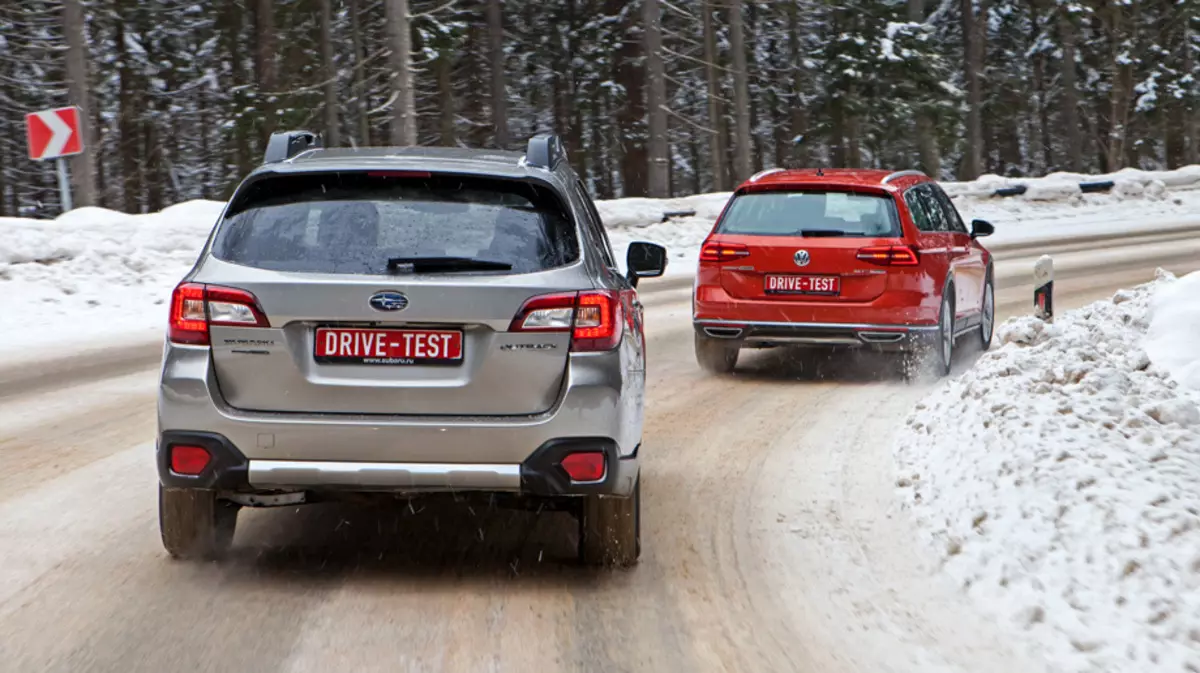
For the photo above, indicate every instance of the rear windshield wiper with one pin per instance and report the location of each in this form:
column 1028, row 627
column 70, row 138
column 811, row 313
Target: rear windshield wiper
column 433, row 264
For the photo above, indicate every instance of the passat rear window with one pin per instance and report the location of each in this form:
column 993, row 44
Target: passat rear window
column 353, row 223
column 814, row 213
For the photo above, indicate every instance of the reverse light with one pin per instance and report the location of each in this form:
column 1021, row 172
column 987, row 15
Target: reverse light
column 189, row 460
column 594, row 318
column 889, row 255
column 716, row 251
column 195, row 307
column 585, row 466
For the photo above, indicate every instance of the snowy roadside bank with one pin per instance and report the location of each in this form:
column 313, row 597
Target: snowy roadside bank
column 1059, row 481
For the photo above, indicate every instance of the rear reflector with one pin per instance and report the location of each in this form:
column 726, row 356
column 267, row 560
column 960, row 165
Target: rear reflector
column 715, row 251
column 583, row 467
column 189, row 460
column 889, row 255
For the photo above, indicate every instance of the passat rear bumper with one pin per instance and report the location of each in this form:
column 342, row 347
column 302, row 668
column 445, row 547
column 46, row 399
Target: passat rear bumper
column 884, row 337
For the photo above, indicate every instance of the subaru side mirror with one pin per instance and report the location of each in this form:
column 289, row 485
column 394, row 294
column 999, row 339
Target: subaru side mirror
column 645, row 260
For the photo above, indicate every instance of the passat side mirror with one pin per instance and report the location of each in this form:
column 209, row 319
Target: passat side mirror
column 980, row 228
column 645, row 260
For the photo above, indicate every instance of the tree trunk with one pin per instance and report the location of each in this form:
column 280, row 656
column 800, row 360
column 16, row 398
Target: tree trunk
column 329, row 74
column 268, row 73
column 1121, row 92
column 444, row 68
column 499, row 100
column 742, row 167
column 716, row 110
column 83, row 166
column 799, row 117
column 1191, row 125
column 129, row 147
column 358, row 80
column 928, row 153
column 631, row 76
column 659, row 182
column 404, row 118
column 1070, row 95
column 972, row 165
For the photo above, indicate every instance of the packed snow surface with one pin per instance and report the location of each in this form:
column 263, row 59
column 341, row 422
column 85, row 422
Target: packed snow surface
column 1058, row 482
column 1173, row 339
column 96, row 273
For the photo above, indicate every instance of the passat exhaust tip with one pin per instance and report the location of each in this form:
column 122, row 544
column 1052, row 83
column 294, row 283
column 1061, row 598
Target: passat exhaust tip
column 881, row 337
column 723, row 332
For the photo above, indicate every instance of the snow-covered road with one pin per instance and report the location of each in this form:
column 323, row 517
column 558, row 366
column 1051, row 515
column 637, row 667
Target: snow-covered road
column 774, row 540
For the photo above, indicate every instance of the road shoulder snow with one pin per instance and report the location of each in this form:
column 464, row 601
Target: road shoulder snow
column 1057, row 481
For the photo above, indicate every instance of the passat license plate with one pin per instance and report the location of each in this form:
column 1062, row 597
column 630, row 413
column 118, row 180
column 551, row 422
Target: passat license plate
column 388, row 346
column 827, row 285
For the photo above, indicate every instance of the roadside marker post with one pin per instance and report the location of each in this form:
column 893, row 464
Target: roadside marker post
column 1043, row 287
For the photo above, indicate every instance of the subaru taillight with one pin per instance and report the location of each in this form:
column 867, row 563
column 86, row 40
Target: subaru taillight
column 195, row 307
column 717, row 251
column 889, row 255
column 594, row 318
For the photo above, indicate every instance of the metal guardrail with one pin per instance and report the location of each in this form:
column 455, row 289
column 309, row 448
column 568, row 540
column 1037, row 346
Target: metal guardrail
column 1100, row 186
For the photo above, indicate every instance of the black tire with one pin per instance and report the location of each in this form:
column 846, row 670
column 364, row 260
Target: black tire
column 987, row 314
column 716, row 356
column 610, row 529
column 943, row 350
column 194, row 524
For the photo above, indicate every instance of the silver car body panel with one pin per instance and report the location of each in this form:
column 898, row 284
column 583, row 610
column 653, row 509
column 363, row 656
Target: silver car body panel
column 424, row 427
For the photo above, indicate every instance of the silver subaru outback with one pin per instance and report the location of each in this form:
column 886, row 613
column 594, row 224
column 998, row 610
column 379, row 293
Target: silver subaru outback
column 405, row 321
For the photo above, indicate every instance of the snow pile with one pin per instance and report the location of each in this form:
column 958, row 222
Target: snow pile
column 106, row 270
column 1173, row 339
column 1059, row 480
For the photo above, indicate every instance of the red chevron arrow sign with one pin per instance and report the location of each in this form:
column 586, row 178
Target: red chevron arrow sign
column 53, row 133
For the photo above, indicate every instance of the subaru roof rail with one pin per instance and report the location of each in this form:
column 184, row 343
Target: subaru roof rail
column 545, row 150
column 902, row 174
column 284, row 145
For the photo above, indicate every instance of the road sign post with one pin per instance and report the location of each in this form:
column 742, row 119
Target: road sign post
column 54, row 134
column 64, row 184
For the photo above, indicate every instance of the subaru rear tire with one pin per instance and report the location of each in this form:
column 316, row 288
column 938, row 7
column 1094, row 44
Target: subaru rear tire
column 610, row 529
column 194, row 524
column 717, row 356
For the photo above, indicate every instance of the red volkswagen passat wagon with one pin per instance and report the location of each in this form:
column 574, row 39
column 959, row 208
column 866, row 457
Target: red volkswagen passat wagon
column 841, row 258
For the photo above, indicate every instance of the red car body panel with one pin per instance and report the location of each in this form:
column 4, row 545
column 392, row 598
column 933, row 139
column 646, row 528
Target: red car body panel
column 872, row 297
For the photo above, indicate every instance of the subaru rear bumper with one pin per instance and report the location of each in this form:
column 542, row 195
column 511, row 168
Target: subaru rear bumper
column 598, row 410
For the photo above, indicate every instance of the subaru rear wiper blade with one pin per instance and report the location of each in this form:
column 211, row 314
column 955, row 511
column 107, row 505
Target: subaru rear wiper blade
column 433, row 264
column 815, row 233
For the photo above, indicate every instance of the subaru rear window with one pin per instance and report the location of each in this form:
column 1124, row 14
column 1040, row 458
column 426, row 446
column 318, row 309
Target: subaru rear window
column 811, row 213
column 354, row 223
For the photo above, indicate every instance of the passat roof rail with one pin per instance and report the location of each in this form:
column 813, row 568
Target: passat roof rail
column 902, row 174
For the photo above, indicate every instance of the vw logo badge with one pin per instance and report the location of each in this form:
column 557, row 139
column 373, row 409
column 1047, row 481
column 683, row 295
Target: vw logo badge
column 388, row 301
column 801, row 258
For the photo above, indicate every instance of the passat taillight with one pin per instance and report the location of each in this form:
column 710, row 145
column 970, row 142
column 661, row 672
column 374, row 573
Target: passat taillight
column 195, row 307
column 889, row 255
column 717, row 251
column 594, row 318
